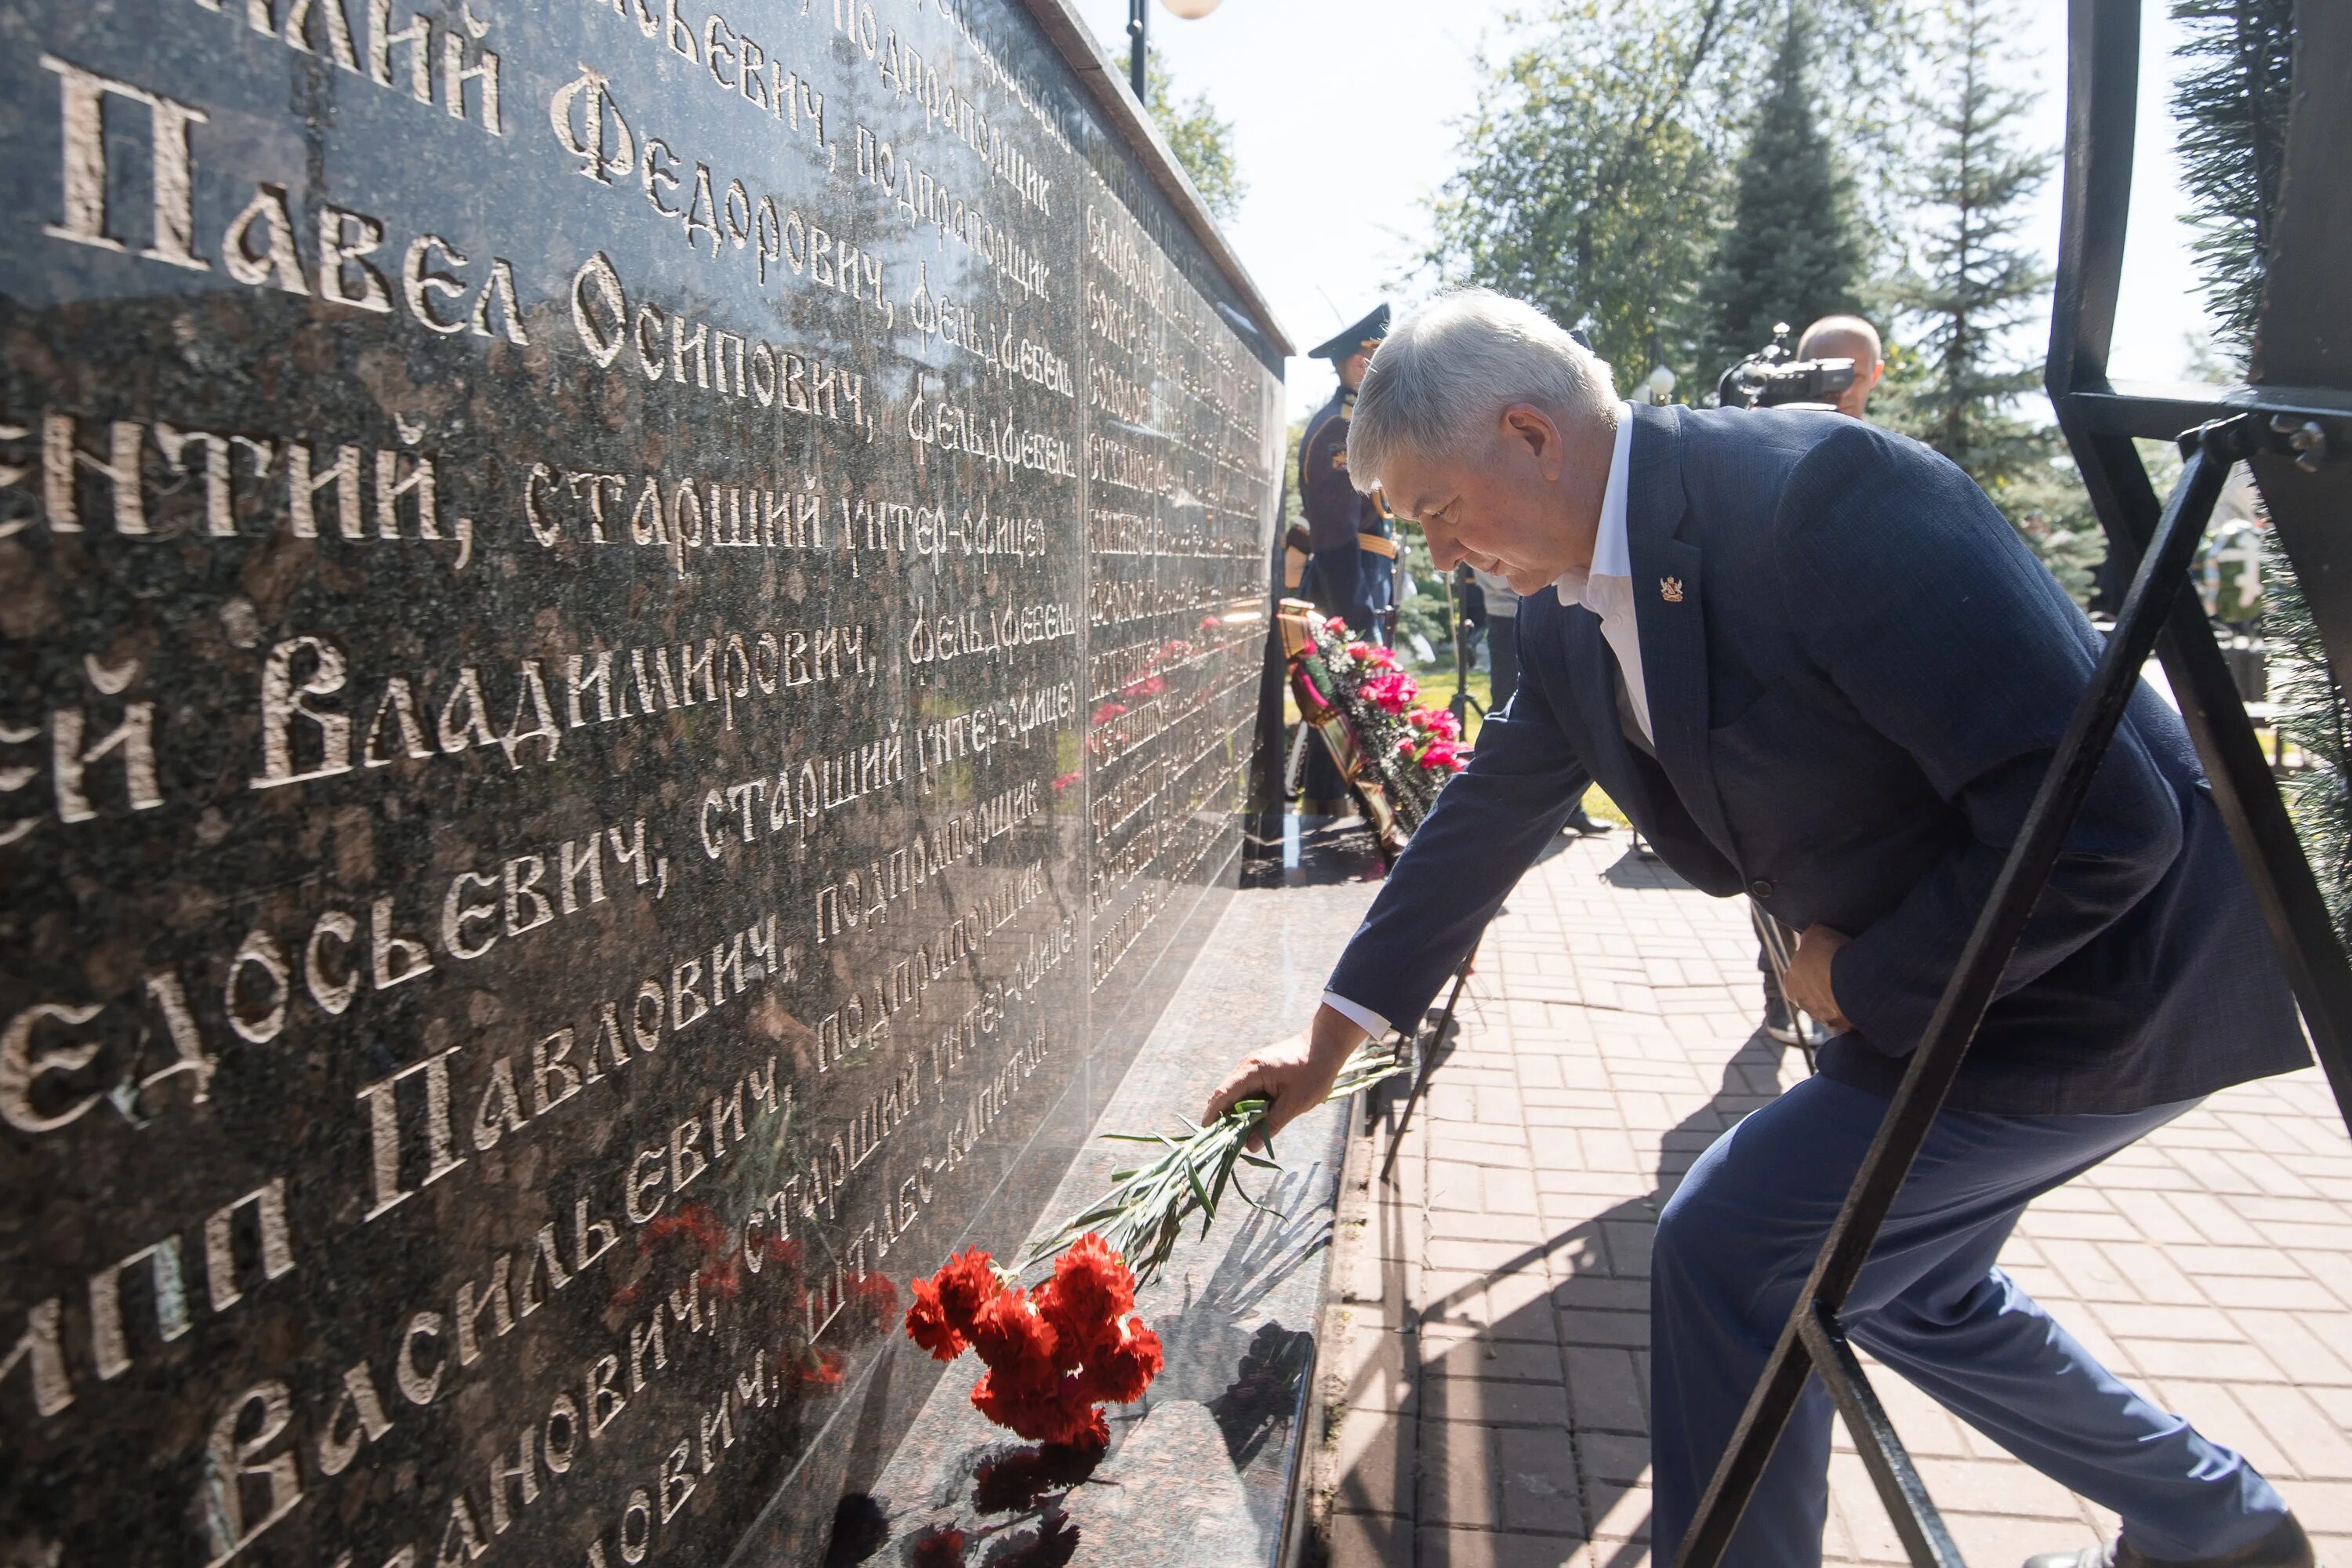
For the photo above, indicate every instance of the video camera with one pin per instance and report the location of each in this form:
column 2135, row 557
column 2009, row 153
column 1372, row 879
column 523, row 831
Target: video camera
column 1770, row 379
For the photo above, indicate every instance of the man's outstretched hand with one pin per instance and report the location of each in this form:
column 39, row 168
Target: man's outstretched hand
column 1294, row 1075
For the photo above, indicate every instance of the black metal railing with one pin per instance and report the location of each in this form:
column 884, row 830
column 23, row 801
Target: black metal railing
column 2288, row 429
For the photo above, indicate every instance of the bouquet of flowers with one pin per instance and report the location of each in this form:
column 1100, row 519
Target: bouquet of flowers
column 1143, row 1215
column 1054, row 1355
column 1395, row 756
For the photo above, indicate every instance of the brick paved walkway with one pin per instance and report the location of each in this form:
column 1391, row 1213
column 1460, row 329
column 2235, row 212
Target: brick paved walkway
column 1489, row 1379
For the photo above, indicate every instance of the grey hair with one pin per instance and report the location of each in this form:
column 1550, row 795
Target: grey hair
column 1447, row 372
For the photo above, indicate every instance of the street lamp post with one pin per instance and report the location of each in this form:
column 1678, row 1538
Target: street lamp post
column 1138, row 43
column 1660, row 381
column 1138, row 30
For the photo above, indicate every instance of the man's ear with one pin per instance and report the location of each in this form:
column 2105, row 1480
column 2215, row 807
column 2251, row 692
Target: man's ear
column 1523, row 425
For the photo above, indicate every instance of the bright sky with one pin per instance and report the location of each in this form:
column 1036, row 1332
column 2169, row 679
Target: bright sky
column 1343, row 112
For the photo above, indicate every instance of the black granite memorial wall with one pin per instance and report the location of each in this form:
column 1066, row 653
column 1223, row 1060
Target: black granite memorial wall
column 627, row 628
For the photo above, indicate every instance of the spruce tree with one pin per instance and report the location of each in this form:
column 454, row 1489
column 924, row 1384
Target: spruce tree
column 1974, row 286
column 1793, row 253
column 2231, row 110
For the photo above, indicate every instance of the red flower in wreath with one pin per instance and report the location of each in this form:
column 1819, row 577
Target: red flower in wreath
column 1392, row 692
column 1438, row 721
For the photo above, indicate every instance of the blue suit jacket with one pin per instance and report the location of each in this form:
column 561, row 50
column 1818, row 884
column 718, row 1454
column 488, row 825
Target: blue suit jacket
column 1857, row 675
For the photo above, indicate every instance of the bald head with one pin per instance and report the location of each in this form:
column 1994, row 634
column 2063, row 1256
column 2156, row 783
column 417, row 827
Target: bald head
column 1846, row 337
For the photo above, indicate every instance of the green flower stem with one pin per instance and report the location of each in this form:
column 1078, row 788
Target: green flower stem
column 1142, row 1217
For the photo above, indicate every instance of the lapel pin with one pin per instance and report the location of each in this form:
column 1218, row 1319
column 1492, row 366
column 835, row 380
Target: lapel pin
column 1670, row 589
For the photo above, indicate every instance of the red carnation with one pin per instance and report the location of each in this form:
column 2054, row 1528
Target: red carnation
column 1053, row 1355
column 948, row 1303
column 1121, row 1370
column 1063, row 1413
column 1017, row 1344
column 1442, row 755
column 1091, row 1290
column 928, row 1325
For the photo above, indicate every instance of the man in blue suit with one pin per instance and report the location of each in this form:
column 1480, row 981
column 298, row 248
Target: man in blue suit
column 1814, row 665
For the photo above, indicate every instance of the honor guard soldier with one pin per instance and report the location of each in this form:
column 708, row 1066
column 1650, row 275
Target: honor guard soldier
column 1353, row 571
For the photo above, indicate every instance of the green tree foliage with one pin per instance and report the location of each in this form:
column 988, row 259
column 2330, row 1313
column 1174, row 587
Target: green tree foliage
column 1793, row 253
column 1972, row 286
column 2232, row 107
column 1201, row 139
column 2313, row 716
column 1588, row 172
column 1972, row 294
column 1595, row 173
column 2229, row 105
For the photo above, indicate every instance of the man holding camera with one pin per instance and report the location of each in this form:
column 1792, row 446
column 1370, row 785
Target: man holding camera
column 1814, row 665
column 1847, row 337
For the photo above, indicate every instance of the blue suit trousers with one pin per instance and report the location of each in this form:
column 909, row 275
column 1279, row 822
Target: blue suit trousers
column 1738, row 1240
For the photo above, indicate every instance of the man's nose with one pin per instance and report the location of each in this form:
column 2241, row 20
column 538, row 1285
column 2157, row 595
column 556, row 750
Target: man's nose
column 1444, row 553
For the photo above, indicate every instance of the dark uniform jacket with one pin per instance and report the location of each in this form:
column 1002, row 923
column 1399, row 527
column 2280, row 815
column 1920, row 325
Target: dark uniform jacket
column 1340, row 578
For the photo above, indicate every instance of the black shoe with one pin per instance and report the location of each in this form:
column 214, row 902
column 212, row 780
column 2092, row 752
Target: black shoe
column 2285, row 1547
column 1586, row 825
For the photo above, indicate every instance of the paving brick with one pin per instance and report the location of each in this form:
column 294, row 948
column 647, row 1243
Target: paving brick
column 1498, row 1404
column 1495, row 1549
column 1359, row 1541
column 2312, row 1444
column 1374, row 1462
column 1581, row 1327
column 1605, row 1390
column 1540, row 1490
column 1457, row 1483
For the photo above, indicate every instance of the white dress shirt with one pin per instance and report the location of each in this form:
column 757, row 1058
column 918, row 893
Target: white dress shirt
column 1606, row 588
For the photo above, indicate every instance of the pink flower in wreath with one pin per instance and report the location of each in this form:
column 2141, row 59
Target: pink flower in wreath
column 1390, row 691
column 1438, row 721
column 1442, row 756
column 1406, row 747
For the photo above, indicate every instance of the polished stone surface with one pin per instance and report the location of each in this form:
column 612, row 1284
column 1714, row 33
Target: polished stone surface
column 628, row 633
column 1200, row 1471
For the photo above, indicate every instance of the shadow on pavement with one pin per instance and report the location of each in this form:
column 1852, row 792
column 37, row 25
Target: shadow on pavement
column 1599, row 1293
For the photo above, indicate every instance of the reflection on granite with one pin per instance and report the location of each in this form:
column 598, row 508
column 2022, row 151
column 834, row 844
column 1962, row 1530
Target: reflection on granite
column 1199, row 1470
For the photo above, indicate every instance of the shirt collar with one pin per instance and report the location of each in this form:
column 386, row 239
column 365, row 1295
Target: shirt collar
column 1611, row 555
